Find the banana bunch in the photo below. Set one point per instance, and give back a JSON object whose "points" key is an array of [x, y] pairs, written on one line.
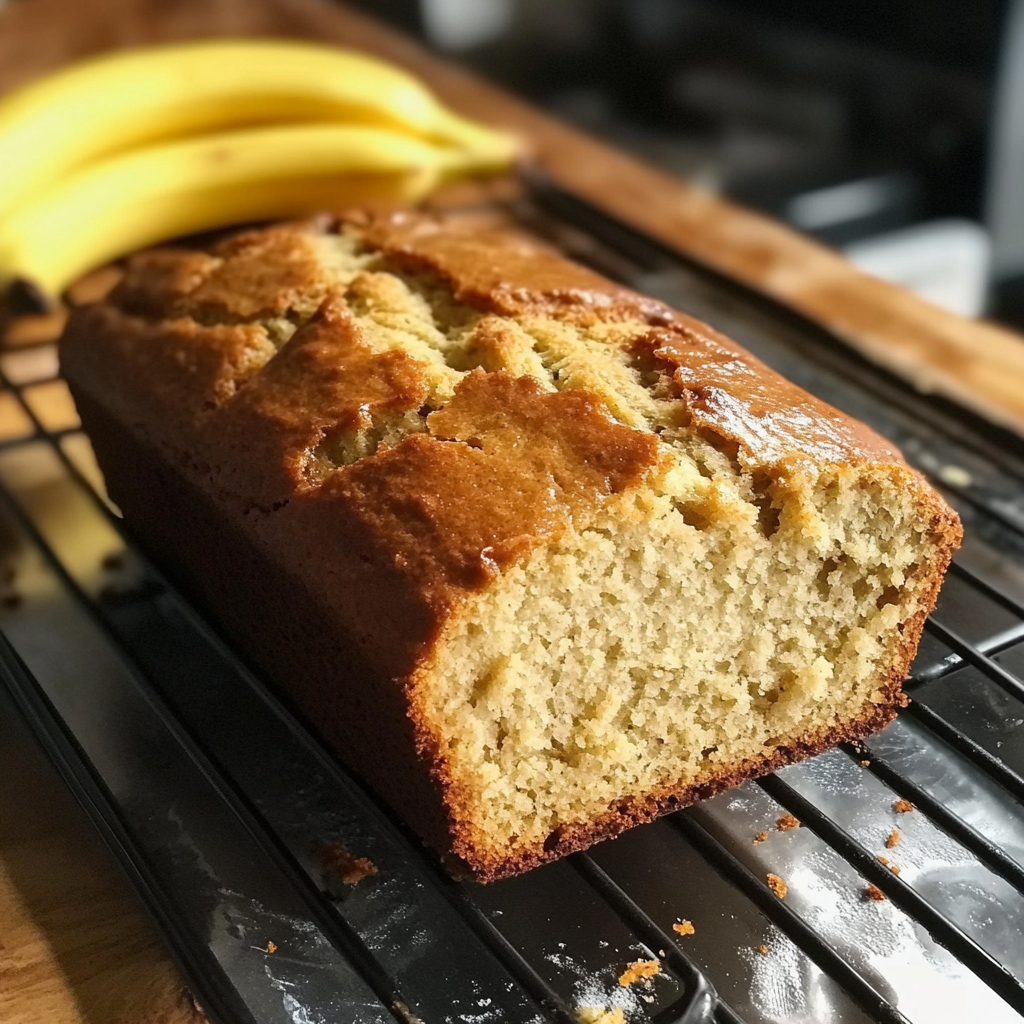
{"points": [[129, 149]]}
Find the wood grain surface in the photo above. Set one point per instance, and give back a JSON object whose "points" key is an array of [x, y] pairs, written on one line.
{"points": [[75, 948], [74, 944]]}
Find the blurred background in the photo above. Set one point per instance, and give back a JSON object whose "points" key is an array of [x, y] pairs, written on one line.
{"points": [[893, 129]]}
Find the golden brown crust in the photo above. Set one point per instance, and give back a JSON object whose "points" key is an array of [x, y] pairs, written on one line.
{"points": [[760, 417], [325, 382], [178, 372], [498, 272], [729, 392], [173, 367], [251, 274]]}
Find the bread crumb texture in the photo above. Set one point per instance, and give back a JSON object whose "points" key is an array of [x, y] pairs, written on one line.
{"points": [[684, 928], [777, 886], [639, 970], [786, 823], [892, 839], [655, 568], [902, 806]]}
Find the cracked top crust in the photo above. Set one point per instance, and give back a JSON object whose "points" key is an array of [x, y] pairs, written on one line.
{"points": [[457, 395], [279, 275]]}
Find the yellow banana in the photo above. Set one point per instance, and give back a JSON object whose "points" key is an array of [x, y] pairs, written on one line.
{"points": [[135, 199], [134, 98]]}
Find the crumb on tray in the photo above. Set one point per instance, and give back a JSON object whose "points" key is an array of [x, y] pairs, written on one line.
{"points": [[683, 927], [763, 950], [777, 885], [892, 839], [902, 806], [787, 822], [639, 970], [894, 868], [337, 863], [761, 837], [271, 947], [874, 893]]}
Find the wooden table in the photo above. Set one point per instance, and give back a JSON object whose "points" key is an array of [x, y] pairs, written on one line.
{"points": [[75, 948], [74, 945]]}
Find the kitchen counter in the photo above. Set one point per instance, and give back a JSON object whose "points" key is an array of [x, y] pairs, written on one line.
{"points": [[74, 944]]}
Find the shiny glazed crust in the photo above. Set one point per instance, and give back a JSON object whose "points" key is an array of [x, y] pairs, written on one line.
{"points": [[339, 573]]}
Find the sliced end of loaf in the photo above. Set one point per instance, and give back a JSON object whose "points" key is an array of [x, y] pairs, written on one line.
{"points": [[674, 648]]}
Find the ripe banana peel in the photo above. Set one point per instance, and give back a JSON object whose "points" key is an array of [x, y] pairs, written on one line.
{"points": [[108, 209], [133, 98], [133, 148]]}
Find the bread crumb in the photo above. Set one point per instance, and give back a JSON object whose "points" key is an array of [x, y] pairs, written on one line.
{"points": [[336, 863], [763, 950], [892, 840], [761, 837], [902, 806], [777, 886], [874, 893], [271, 947], [599, 1015], [787, 823], [640, 970], [892, 867], [684, 928], [865, 764]]}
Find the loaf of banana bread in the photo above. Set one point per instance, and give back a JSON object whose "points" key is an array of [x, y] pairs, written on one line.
{"points": [[539, 557]]}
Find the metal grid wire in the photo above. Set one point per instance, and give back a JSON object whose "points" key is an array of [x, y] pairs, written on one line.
{"points": [[506, 921]]}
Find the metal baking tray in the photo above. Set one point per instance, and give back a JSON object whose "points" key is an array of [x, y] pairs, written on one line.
{"points": [[226, 812]]}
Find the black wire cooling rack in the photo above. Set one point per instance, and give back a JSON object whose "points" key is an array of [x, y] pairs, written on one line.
{"points": [[905, 876]]}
